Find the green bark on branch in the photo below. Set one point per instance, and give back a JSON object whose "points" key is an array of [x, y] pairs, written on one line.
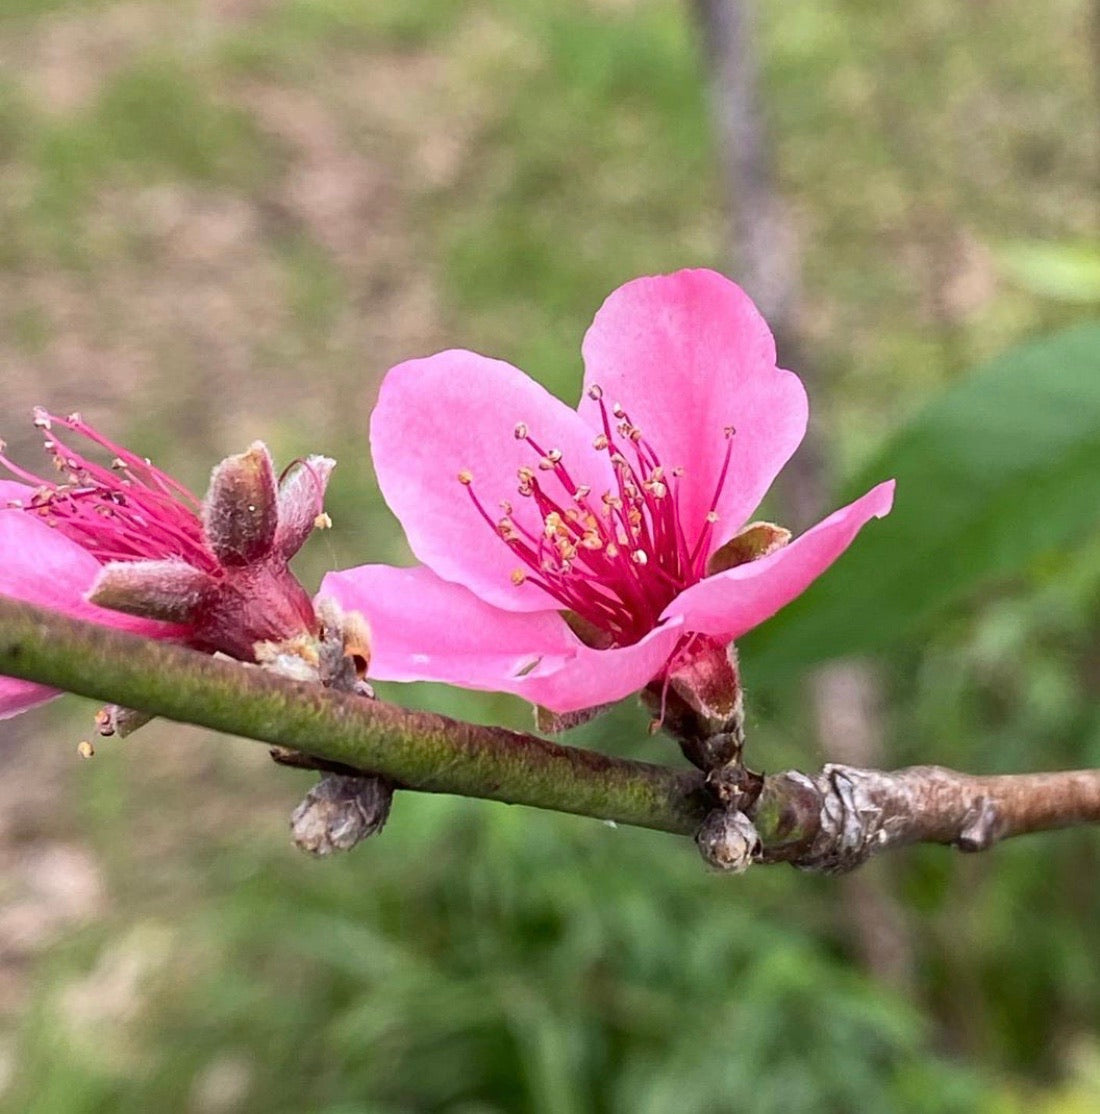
{"points": [[831, 821]]}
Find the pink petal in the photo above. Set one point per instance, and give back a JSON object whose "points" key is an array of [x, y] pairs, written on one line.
{"points": [[457, 411], [594, 677], [687, 355], [18, 696], [426, 629], [11, 491], [733, 602], [39, 565]]}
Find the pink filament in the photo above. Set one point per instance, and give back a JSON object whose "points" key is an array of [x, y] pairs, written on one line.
{"points": [[130, 511], [616, 564]]}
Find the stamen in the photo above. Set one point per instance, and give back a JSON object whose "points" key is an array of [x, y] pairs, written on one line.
{"points": [[615, 562], [125, 511]]}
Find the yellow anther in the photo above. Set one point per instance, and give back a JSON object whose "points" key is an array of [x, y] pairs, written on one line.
{"points": [[518, 577], [465, 477], [322, 522], [640, 557]]}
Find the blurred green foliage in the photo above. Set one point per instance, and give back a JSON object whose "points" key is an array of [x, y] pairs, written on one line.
{"points": [[1000, 470], [1065, 272], [523, 159]]}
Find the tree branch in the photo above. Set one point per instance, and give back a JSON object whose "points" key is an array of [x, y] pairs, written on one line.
{"points": [[831, 822]]}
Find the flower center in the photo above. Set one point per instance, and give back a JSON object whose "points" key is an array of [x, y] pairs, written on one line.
{"points": [[615, 561], [130, 511]]}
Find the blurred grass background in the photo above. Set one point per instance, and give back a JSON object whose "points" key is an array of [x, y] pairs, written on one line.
{"points": [[224, 219]]}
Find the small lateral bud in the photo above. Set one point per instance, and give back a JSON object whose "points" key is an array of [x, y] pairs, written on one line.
{"points": [[728, 841], [339, 812]]}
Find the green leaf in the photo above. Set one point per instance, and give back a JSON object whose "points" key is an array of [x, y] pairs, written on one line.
{"points": [[1001, 468]]}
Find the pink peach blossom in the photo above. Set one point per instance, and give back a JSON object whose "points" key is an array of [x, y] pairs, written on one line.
{"points": [[569, 555], [127, 546]]}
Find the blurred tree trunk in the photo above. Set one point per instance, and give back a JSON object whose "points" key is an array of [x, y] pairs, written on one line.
{"points": [[763, 252]]}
